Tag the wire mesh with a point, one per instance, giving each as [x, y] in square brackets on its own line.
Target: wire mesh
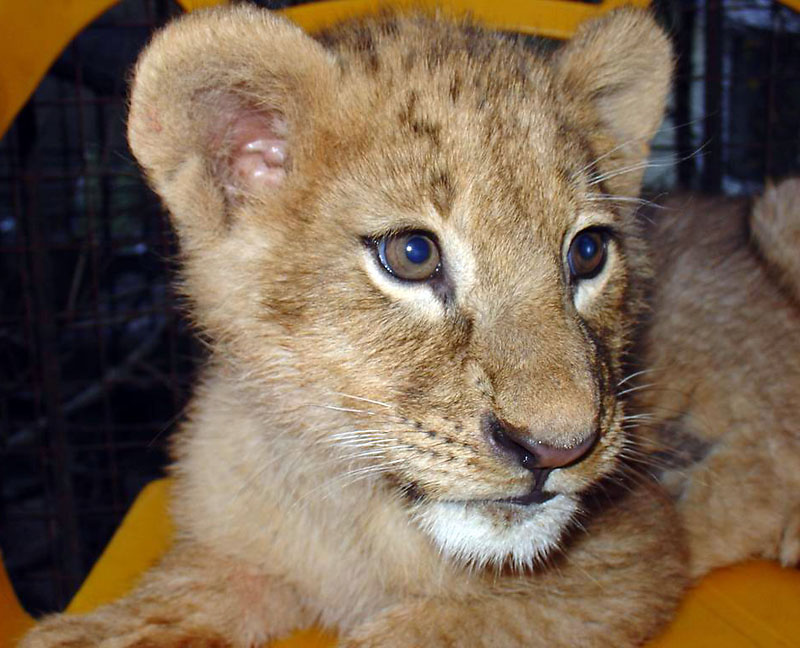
[94, 360]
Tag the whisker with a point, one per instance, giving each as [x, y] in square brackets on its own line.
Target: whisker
[634, 375]
[367, 454]
[357, 434]
[646, 164]
[595, 197]
[637, 388]
[361, 398]
[345, 409]
[643, 459]
[606, 154]
[347, 479]
[637, 417]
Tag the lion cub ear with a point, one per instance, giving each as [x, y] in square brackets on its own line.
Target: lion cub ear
[619, 68]
[223, 105]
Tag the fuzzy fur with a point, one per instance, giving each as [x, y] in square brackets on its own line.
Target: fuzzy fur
[721, 374]
[334, 467]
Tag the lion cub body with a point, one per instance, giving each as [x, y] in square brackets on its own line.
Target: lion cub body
[721, 378]
[412, 462]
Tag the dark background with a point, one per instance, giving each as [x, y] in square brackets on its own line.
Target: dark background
[95, 358]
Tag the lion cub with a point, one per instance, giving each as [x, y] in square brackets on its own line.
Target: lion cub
[721, 384]
[396, 239]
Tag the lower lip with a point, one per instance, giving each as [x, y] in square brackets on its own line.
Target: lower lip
[534, 497]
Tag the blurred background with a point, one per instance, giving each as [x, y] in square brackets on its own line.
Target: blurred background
[95, 358]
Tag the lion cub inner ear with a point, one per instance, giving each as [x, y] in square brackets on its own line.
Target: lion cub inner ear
[257, 153]
[223, 103]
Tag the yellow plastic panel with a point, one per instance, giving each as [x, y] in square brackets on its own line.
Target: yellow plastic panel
[33, 34]
[552, 18]
[13, 619]
[36, 31]
[138, 543]
[189, 5]
[753, 605]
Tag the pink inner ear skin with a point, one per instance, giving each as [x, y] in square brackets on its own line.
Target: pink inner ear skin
[260, 164]
[258, 153]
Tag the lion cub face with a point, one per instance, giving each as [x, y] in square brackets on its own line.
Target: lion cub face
[408, 223]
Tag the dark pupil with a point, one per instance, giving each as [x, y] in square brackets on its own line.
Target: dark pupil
[587, 247]
[418, 250]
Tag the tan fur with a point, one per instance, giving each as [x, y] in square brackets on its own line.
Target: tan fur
[334, 462]
[722, 361]
[775, 224]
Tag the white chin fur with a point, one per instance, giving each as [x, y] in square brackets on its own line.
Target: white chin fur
[481, 534]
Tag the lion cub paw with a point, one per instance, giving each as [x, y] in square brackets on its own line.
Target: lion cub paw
[72, 631]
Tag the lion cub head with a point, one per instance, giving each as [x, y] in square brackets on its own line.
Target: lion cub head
[425, 228]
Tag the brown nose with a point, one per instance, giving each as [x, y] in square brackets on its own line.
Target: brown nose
[530, 453]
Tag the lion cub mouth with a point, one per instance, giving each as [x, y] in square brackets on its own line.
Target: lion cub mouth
[520, 529]
[536, 495]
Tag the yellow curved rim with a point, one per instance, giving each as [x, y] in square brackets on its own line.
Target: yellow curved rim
[36, 31]
[14, 621]
[551, 18]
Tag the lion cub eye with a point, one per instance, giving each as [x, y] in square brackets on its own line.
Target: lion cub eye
[412, 256]
[587, 254]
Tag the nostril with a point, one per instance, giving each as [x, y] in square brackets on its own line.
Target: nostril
[503, 437]
[532, 454]
[526, 458]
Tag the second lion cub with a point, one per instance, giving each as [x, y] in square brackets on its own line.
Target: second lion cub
[722, 372]
[397, 239]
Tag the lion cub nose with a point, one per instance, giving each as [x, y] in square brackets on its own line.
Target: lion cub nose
[531, 453]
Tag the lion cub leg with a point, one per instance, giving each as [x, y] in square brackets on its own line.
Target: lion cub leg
[775, 224]
[191, 599]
